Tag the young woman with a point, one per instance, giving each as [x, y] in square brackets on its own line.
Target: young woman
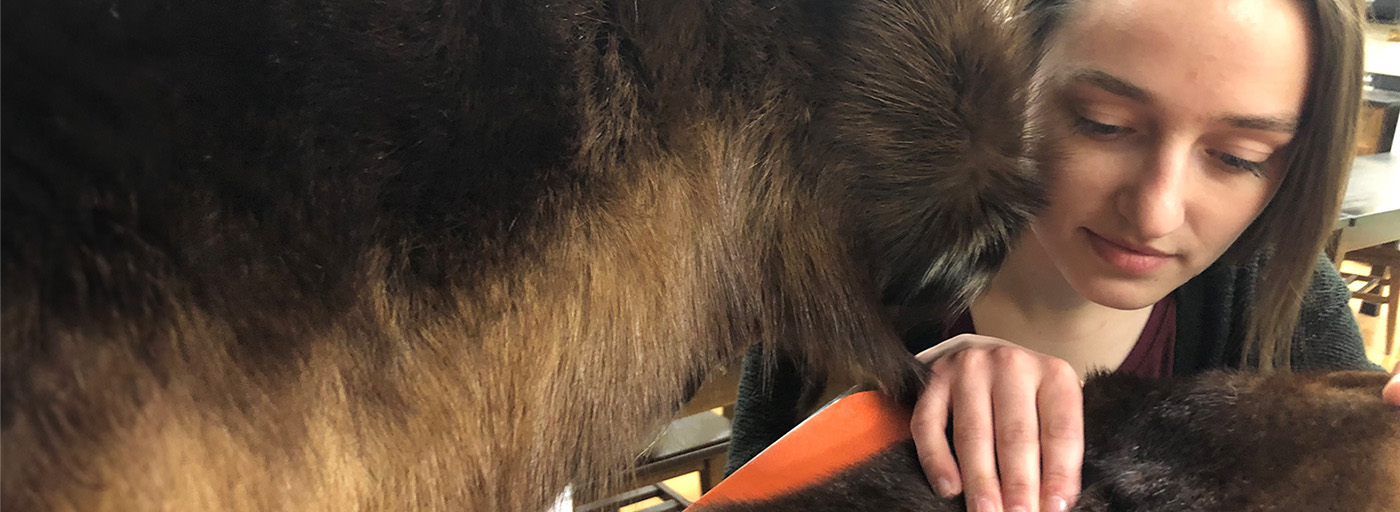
[1197, 150]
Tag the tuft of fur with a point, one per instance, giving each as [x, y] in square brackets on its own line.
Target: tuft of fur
[1221, 442]
[456, 255]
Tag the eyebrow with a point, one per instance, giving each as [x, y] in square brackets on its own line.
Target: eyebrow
[1267, 123]
[1126, 89]
[1112, 84]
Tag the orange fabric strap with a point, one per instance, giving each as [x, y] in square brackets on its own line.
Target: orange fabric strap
[847, 432]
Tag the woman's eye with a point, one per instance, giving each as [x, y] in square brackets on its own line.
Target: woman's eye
[1251, 166]
[1092, 128]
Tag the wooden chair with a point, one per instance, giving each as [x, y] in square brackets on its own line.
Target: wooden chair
[697, 442]
[1381, 285]
[671, 501]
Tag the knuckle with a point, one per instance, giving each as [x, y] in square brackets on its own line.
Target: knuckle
[1018, 485]
[1008, 356]
[1018, 432]
[1061, 369]
[970, 358]
[1060, 429]
[943, 368]
[971, 436]
[939, 365]
[1058, 480]
[933, 394]
[980, 482]
[936, 461]
[925, 421]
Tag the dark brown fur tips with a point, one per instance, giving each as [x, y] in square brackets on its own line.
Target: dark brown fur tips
[456, 255]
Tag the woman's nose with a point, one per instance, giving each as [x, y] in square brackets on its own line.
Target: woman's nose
[1154, 202]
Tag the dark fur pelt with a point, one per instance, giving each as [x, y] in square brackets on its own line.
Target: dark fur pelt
[454, 255]
[1218, 443]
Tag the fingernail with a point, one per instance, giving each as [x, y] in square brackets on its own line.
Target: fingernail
[984, 504]
[944, 488]
[1058, 504]
[1017, 508]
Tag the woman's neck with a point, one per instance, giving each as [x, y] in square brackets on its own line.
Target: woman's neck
[1031, 304]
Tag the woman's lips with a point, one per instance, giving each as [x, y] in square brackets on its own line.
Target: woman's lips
[1130, 260]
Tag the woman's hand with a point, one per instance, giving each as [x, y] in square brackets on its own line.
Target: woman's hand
[1391, 393]
[1013, 410]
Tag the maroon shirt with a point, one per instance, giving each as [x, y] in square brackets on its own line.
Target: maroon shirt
[1151, 355]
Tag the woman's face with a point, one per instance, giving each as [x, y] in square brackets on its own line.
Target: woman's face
[1168, 122]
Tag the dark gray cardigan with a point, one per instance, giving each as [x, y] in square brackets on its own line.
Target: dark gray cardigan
[1210, 318]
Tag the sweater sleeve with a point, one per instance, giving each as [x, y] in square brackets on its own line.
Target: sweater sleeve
[1213, 313]
[1327, 337]
[766, 408]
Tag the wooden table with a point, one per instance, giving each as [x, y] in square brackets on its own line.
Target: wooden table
[1371, 208]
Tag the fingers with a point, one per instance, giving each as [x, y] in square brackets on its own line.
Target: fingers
[1061, 405]
[973, 436]
[929, 425]
[1017, 429]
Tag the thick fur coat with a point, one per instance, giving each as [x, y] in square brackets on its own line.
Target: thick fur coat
[454, 255]
[1220, 442]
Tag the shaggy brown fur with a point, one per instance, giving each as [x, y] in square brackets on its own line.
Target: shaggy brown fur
[429, 255]
[1221, 442]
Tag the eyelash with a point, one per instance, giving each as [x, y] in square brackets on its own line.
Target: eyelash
[1103, 131]
[1085, 126]
[1253, 167]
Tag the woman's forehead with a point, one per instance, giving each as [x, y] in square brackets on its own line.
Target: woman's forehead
[1223, 58]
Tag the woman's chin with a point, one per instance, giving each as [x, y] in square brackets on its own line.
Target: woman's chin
[1126, 295]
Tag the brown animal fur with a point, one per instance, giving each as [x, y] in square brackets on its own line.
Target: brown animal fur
[1217, 443]
[454, 255]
